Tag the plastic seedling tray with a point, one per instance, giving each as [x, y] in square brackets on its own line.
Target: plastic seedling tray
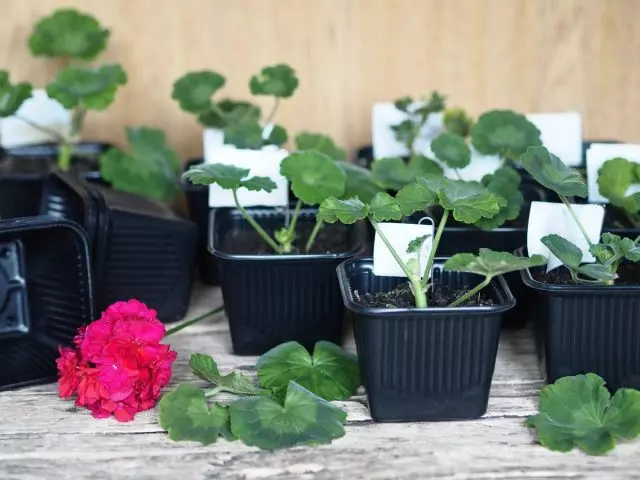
[140, 248]
[45, 295]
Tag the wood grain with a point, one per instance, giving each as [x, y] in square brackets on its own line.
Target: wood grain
[44, 437]
[531, 55]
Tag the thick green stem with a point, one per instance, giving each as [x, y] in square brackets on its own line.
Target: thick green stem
[47, 131]
[470, 293]
[434, 248]
[418, 292]
[637, 239]
[314, 234]
[294, 220]
[576, 219]
[273, 111]
[265, 236]
[64, 155]
[187, 323]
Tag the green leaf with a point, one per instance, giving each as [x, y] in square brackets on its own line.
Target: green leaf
[434, 104]
[304, 419]
[67, 33]
[394, 173]
[150, 168]
[599, 272]
[415, 245]
[469, 201]
[451, 149]
[620, 247]
[567, 252]
[331, 373]
[87, 87]
[384, 207]
[415, 197]
[259, 184]
[405, 132]
[12, 96]
[185, 415]
[246, 135]
[276, 81]
[345, 211]
[490, 264]
[359, 182]
[614, 179]
[421, 166]
[403, 104]
[457, 121]
[549, 171]
[205, 367]
[320, 143]
[228, 112]
[504, 132]
[193, 92]
[228, 177]
[504, 182]
[277, 136]
[313, 176]
[579, 411]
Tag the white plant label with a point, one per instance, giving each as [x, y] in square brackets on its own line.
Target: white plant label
[561, 134]
[597, 155]
[399, 235]
[384, 116]
[212, 140]
[263, 163]
[546, 218]
[42, 110]
[479, 166]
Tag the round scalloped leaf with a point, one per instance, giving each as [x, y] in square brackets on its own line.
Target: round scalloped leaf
[12, 96]
[68, 33]
[276, 81]
[259, 184]
[391, 173]
[331, 373]
[567, 252]
[457, 121]
[614, 179]
[359, 182]
[504, 182]
[320, 143]
[504, 132]
[87, 87]
[415, 197]
[549, 171]
[302, 419]
[194, 90]
[277, 136]
[345, 211]
[451, 149]
[246, 135]
[313, 176]
[229, 111]
[227, 176]
[489, 263]
[469, 201]
[384, 207]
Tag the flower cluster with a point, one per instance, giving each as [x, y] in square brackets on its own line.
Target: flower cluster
[119, 365]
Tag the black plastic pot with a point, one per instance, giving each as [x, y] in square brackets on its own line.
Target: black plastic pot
[424, 364]
[140, 248]
[45, 295]
[588, 328]
[21, 193]
[271, 299]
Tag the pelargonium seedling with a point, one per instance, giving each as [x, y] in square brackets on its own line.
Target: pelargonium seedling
[239, 120]
[548, 170]
[615, 177]
[466, 201]
[287, 406]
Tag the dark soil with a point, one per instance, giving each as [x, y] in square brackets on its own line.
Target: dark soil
[17, 165]
[614, 218]
[438, 296]
[333, 238]
[628, 274]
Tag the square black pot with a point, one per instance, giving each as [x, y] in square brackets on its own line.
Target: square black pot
[45, 295]
[140, 248]
[588, 328]
[271, 299]
[424, 364]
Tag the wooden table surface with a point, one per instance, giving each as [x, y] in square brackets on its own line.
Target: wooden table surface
[44, 437]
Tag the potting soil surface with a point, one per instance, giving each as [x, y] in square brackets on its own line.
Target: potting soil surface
[628, 274]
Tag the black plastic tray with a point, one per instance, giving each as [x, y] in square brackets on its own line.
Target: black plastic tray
[271, 299]
[588, 329]
[140, 248]
[424, 364]
[45, 295]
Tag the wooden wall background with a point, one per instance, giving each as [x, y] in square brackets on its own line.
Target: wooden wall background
[530, 55]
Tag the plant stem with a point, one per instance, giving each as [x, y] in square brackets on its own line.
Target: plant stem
[434, 248]
[48, 131]
[576, 219]
[418, 293]
[470, 293]
[314, 234]
[457, 173]
[265, 236]
[187, 323]
[64, 155]
[294, 220]
[273, 111]
[218, 110]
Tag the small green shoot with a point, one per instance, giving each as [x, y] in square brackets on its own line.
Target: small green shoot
[614, 179]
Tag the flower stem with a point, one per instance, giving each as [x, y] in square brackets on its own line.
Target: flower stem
[434, 248]
[314, 234]
[470, 293]
[265, 236]
[45, 130]
[186, 323]
[576, 219]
